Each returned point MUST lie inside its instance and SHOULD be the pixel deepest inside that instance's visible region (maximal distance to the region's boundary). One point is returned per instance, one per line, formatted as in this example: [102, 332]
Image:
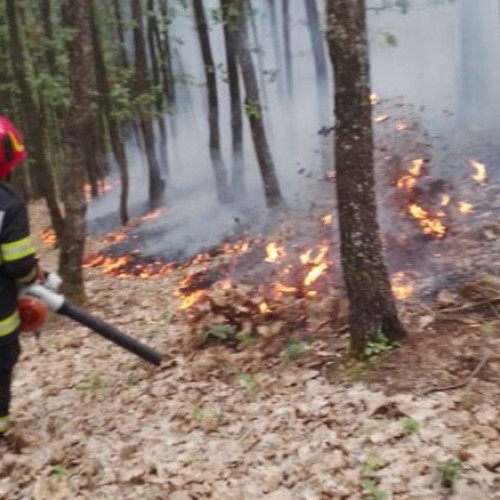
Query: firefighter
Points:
[18, 264]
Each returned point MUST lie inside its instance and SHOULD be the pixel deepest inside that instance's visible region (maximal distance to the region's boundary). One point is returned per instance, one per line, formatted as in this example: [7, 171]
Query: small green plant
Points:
[449, 471]
[94, 383]
[253, 111]
[379, 345]
[294, 348]
[411, 426]
[167, 317]
[201, 413]
[248, 381]
[218, 332]
[373, 464]
[58, 471]
[373, 492]
[245, 339]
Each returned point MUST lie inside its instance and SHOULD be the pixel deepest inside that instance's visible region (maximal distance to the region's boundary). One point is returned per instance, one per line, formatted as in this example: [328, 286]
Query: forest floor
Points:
[91, 421]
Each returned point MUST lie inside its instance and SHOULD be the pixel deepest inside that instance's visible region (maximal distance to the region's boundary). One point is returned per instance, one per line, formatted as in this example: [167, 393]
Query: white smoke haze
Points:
[441, 57]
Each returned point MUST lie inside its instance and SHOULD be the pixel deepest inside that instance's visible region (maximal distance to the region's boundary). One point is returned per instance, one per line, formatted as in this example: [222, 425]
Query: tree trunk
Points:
[372, 308]
[114, 128]
[230, 41]
[156, 183]
[253, 108]
[287, 48]
[213, 103]
[78, 122]
[33, 122]
[317, 43]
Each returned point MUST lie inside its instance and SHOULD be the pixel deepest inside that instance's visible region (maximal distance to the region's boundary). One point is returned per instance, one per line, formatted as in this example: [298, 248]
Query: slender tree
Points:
[78, 121]
[287, 48]
[230, 42]
[372, 308]
[213, 103]
[32, 120]
[143, 90]
[253, 109]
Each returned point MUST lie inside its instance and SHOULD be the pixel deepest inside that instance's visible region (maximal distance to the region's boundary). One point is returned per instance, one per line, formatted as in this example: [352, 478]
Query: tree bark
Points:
[253, 108]
[33, 121]
[78, 122]
[372, 307]
[230, 42]
[319, 57]
[287, 48]
[114, 128]
[213, 103]
[156, 183]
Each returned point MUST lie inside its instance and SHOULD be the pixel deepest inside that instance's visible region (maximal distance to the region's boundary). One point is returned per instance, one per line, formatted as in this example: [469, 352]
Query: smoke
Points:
[440, 57]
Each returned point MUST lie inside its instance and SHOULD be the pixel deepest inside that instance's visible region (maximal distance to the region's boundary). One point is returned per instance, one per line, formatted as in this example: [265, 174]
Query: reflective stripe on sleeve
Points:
[29, 277]
[9, 324]
[16, 250]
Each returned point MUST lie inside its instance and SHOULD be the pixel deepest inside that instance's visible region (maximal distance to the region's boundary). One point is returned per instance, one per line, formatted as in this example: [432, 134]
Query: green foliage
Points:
[245, 339]
[253, 111]
[373, 464]
[202, 413]
[248, 381]
[411, 426]
[379, 345]
[58, 471]
[373, 492]
[390, 39]
[293, 349]
[217, 332]
[449, 471]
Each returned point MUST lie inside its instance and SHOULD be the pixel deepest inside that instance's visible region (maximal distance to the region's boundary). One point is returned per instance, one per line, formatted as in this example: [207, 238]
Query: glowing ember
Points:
[416, 168]
[305, 258]
[374, 98]
[445, 200]
[263, 308]
[48, 237]
[274, 252]
[381, 118]
[102, 187]
[465, 208]
[406, 182]
[480, 175]
[402, 286]
[431, 226]
[280, 288]
[327, 219]
[400, 126]
[192, 299]
[315, 273]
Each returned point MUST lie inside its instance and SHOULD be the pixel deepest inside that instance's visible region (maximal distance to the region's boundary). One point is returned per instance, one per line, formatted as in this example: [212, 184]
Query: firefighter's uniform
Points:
[18, 265]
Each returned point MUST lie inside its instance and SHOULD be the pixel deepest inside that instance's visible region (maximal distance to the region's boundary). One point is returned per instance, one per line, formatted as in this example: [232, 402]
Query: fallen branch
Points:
[468, 307]
[465, 382]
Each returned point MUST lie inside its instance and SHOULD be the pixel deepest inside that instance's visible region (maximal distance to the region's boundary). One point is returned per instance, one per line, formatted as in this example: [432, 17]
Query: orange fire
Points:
[445, 200]
[274, 252]
[264, 308]
[432, 226]
[480, 168]
[416, 167]
[406, 182]
[48, 237]
[315, 273]
[327, 219]
[192, 299]
[465, 208]
[402, 286]
[374, 98]
[280, 288]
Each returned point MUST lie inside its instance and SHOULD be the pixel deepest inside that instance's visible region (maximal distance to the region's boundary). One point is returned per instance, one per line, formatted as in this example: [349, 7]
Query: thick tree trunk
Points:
[33, 122]
[317, 43]
[156, 183]
[78, 122]
[213, 103]
[372, 308]
[230, 42]
[287, 48]
[272, 189]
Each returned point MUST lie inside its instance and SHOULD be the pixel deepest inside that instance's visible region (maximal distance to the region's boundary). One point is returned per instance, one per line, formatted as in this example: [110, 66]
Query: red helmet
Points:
[12, 150]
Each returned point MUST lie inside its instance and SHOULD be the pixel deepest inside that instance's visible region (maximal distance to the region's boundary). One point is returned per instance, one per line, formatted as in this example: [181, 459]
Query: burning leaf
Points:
[431, 226]
[480, 168]
[465, 208]
[274, 252]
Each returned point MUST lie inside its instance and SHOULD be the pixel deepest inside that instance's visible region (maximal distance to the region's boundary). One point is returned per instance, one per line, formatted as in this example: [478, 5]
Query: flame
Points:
[445, 200]
[192, 299]
[48, 236]
[480, 175]
[305, 257]
[264, 308]
[327, 219]
[315, 273]
[374, 98]
[102, 187]
[274, 252]
[280, 288]
[406, 182]
[465, 208]
[402, 285]
[432, 226]
[416, 168]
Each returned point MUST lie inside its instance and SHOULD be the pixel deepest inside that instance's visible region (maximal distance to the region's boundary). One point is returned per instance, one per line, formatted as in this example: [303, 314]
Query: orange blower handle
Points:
[32, 312]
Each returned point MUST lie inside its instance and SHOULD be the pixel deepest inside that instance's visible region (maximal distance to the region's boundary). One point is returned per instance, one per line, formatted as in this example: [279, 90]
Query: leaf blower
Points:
[36, 300]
